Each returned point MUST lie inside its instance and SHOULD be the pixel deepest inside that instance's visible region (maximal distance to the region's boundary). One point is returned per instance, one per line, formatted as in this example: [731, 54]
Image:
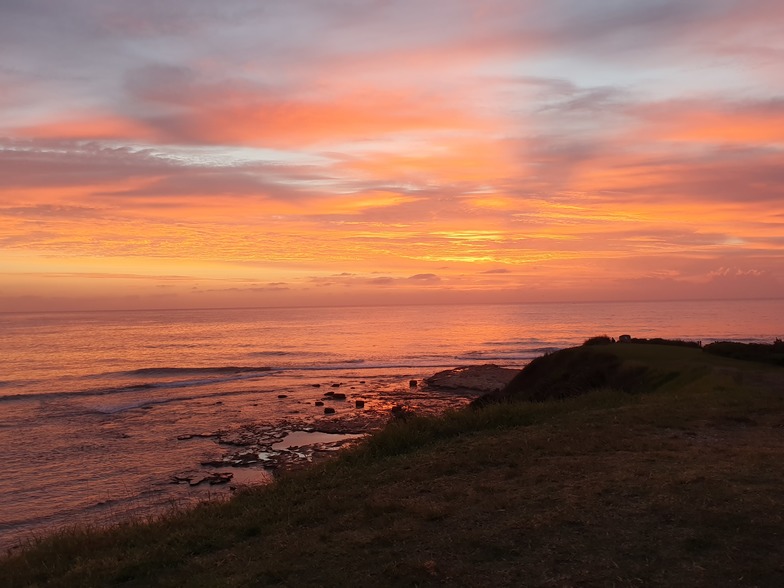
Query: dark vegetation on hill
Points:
[762, 352]
[568, 373]
[663, 470]
[606, 340]
[765, 353]
[579, 370]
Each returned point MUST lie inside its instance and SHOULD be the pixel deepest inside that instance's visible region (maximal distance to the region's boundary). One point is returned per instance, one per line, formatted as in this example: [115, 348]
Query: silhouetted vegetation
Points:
[606, 340]
[763, 352]
[670, 342]
[573, 372]
[600, 340]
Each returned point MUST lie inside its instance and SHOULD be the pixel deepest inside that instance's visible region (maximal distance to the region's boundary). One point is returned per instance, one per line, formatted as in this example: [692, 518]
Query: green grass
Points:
[679, 484]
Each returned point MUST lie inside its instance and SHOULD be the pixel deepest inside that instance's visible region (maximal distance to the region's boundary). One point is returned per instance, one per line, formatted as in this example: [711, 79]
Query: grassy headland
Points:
[663, 467]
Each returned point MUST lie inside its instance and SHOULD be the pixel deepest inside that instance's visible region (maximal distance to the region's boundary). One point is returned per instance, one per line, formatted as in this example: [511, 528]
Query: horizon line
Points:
[402, 305]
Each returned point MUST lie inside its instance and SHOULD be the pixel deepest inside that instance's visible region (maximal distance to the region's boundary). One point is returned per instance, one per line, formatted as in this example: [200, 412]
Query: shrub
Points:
[762, 352]
[600, 340]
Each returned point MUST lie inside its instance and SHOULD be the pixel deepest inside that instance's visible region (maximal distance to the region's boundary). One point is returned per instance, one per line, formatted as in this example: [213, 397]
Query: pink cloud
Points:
[714, 121]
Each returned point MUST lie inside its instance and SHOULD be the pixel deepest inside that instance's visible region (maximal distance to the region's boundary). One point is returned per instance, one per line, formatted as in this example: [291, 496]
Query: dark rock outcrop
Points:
[478, 378]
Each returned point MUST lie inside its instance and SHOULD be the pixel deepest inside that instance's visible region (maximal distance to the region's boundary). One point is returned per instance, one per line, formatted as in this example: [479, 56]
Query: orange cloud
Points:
[289, 123]
[444, 160]
[706, 122]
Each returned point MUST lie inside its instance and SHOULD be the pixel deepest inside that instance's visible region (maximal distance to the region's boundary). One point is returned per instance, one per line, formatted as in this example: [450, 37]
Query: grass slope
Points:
[677, 485]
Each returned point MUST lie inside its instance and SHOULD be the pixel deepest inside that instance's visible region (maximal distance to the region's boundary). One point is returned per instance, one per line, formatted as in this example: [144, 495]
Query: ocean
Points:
[102, 412]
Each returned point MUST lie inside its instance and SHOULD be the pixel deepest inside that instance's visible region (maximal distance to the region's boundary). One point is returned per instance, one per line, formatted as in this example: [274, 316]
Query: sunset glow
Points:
[200, 154]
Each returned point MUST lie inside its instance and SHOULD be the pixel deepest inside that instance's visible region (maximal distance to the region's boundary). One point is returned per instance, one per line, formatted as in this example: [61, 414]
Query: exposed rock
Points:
[239, 438]
[237, 460]
[252, 444]
[197, 435]
[218, 463]
[260, 444]
[219, 478]
[212, 479]
[481, 378]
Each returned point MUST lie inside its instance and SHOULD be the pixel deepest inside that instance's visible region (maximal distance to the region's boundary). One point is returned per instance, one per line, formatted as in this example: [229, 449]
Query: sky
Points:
[200, 154]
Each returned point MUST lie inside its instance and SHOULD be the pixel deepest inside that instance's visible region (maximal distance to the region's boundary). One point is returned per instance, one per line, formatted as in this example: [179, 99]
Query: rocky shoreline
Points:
[347, 418]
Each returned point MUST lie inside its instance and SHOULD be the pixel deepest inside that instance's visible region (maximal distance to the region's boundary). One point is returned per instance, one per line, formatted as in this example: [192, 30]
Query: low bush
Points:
[762, 352]
[600, 340]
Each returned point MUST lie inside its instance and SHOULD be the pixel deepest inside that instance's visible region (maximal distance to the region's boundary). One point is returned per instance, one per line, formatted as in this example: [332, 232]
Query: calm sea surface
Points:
[92, 403]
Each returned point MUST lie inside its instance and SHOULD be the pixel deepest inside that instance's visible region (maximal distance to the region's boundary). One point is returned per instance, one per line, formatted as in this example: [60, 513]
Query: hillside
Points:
[644, 465]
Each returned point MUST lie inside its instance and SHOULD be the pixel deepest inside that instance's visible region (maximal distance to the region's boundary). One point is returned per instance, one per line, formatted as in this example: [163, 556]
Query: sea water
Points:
[92, 403]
